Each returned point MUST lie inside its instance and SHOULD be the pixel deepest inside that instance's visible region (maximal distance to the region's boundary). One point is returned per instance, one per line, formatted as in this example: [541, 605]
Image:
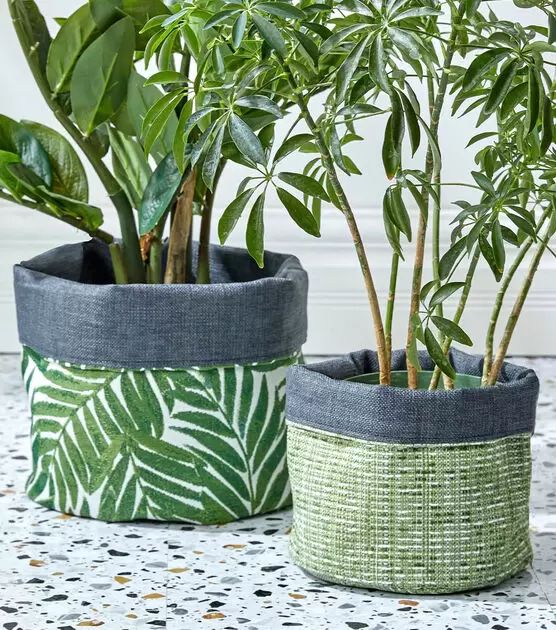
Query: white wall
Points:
[339, 318]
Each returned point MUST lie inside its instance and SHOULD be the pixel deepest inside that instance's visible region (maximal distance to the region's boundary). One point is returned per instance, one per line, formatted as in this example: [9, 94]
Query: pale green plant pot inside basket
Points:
[162, 402]
[409, 491]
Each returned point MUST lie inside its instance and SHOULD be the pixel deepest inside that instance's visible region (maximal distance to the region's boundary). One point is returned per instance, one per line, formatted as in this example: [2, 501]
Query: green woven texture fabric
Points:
[405, 518]
[204, 445]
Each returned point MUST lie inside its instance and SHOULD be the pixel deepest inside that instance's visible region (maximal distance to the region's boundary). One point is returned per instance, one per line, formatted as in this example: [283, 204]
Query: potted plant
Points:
[155, 370]
[410, 469]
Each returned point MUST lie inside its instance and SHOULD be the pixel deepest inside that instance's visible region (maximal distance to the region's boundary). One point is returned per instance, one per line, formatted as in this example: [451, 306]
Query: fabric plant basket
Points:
[410, 491]
[161, 402]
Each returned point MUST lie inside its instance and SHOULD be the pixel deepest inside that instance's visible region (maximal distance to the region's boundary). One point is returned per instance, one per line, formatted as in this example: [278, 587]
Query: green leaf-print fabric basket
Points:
[161, 402]
[409, 491]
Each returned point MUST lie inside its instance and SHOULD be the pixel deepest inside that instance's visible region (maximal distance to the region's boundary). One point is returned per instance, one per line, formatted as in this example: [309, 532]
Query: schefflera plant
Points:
[123, 96]
[371, 59]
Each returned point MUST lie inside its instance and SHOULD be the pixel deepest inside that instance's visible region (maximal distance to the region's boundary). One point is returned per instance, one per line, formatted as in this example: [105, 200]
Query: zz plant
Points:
[409, 62]
[132, 129]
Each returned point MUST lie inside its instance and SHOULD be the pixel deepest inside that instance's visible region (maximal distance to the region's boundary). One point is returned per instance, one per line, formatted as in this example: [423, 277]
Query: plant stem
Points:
[328, 163]
[154, 269]
[423, 220]
[131, 249]
[180, 231]
[76, 223]
[118, 264]
[457, 317]
[516, 311]
[203, 259]
[499, 301]
[390, 305]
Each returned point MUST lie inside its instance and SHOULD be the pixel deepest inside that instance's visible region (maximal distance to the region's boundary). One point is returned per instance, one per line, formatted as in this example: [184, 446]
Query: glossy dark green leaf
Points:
[270, 34]
[436, 354]
[533, 100]
[514, 97]
[377, 65]
[394, 205]
[245, 140]
[451, 330]
[68, 174]
[337, 37]
[72, 39]
[484, 182]
[158, 116]
[260, 102]
[488, 255]
[450, 258]
[501, 87]
[281, 9]
[254, 236]
[551, 29]
[232, 214]
[238, 29]
[444, 292]
[391, 156]
[498, 246]
[522, 224]
[422, 204]
[33, 31]
[292, 144]
[160, 193]
[100, 77]
[405, 41]
[33, 155]
[213, 157]
[412, 123]
[308, 46]
[547, 125]
[348, 68]
[219, 17]
[480, 66]
[299, 212]
[305, 184]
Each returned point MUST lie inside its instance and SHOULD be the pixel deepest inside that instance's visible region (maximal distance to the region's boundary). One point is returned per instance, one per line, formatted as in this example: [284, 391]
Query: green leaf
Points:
[221, 16]
[245, 140]
[68, 175]
[166, 77]
[348, 68]
[100, 77]
[377, 65]
[305, 184]
[232, 214]
[238, 29]
[488, 255]
[501, 87]
[451, 330]
[450, 258]
[533, 99]
[213, 157]
[514, 97]
[436, 354]
[159, 195]
[299, 212]
[91, 216]
[391, 147]
[480, 66]
[255, 231]
[33, 154]
[308, 45]
[498, 246]
[547, 125]
[77, 32]
[292, 144]
[444, 292]
[260, 102]
[406, 42]
[130, 165]
[34, 35]
[270, 34]
[393, 203]
[158, 116]
[412, 123]
[281, 9]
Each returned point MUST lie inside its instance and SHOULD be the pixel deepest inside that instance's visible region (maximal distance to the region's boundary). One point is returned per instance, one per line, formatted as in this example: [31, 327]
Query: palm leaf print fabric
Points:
[205, 445]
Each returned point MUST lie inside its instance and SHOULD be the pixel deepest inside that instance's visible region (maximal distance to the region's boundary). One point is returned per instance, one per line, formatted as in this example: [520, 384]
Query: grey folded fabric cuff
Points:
[69, 309]
[318, 396]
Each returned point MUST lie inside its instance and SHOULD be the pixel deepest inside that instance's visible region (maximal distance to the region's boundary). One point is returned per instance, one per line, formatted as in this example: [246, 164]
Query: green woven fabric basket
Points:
[397, 497]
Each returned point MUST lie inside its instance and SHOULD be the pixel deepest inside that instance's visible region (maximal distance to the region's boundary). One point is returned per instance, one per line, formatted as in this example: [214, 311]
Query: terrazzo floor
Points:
[68, 573]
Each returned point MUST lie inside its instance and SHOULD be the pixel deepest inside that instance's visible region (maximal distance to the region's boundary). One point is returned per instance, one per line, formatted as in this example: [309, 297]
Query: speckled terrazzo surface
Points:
[69, 573]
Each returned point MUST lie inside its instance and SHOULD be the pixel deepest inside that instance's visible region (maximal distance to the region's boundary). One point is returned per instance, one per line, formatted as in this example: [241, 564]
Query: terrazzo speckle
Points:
[67, 573]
